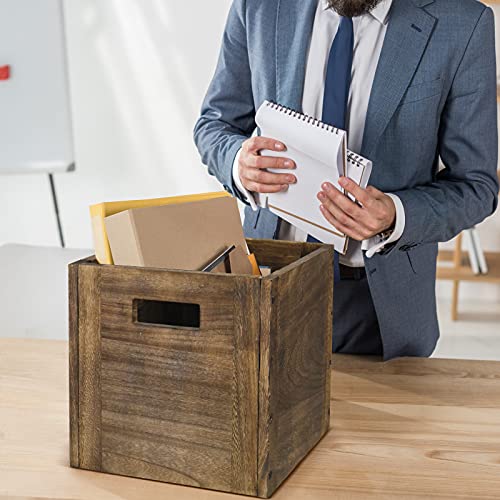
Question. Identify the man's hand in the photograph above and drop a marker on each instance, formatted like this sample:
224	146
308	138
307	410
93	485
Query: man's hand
252	167
376	214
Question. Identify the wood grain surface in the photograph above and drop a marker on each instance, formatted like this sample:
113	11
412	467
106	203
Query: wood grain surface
180	404
295	352
408	429
89	367
175	384
278	254
74	396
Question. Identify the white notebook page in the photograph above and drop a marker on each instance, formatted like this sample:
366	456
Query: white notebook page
320	153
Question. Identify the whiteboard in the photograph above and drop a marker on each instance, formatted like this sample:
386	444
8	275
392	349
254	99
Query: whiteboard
35	117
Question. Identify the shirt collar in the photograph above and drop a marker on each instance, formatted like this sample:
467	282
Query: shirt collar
380	12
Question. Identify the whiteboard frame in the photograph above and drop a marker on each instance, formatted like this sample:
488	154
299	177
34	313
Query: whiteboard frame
34	168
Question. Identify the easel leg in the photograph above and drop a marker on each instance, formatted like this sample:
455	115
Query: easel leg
56	210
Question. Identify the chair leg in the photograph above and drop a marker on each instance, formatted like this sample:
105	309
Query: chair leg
457	263
454	302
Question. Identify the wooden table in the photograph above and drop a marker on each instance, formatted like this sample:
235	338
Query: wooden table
405	429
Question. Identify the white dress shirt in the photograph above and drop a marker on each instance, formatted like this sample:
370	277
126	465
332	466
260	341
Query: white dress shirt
369	36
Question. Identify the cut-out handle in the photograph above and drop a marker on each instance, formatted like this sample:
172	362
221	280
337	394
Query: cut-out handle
167	314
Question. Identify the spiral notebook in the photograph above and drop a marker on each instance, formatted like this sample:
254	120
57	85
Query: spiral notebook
320	152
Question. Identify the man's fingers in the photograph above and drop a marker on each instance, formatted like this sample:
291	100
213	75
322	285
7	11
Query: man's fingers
263	177
353	219
256	161
363	196
331	193
256	144
374	192
336	211
255	187
349	231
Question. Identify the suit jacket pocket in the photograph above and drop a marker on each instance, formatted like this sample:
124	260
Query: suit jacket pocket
422	91
423	258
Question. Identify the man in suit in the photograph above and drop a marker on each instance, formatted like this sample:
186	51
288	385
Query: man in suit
412	81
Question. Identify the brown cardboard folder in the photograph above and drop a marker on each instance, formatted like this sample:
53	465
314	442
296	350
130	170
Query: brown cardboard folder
183	236
99	212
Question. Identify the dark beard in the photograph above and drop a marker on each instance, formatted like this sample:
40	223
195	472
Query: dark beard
353	8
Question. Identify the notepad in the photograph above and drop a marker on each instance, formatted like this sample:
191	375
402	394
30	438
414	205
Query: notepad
320	153
359	170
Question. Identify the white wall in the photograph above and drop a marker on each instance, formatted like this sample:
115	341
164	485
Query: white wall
138	70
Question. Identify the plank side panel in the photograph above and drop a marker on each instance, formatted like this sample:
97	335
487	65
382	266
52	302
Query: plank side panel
267	325
245	386
167	459
300	362
73	366
89	349
328	349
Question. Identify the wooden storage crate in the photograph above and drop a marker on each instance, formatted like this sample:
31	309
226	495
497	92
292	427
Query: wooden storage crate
206	380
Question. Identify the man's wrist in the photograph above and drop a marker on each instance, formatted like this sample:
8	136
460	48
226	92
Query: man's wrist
379	243
385	235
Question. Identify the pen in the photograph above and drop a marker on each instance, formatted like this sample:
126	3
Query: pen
221	258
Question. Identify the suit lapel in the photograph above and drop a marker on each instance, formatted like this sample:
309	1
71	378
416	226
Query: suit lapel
295	20
408	33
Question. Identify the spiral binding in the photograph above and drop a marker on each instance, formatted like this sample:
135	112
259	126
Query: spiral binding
355	159
305	118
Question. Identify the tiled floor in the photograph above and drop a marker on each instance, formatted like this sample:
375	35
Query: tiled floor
33	304
476	335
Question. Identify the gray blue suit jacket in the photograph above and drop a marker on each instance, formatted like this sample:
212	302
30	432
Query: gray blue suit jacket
434	96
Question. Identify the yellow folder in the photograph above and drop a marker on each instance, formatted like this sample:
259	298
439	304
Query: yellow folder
102	210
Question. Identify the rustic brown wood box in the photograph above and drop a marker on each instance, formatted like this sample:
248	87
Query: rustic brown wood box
231	396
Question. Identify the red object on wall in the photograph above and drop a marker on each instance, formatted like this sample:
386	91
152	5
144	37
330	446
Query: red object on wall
4	72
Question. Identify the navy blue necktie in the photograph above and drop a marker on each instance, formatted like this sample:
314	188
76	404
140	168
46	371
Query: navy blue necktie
337	85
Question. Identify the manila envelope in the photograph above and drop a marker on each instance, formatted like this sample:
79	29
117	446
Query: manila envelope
99	212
